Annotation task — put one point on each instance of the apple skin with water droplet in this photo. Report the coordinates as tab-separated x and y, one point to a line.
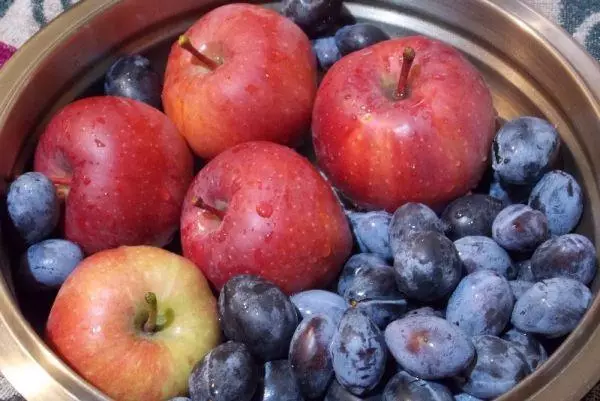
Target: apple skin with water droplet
260	208
263	88
122	168
381	150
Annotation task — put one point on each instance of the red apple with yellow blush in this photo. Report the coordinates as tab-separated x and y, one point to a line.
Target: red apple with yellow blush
405	120
241	73
133	321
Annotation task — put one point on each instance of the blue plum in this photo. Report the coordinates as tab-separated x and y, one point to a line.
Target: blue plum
355	264
520	228
427	266
383	311
372	282
314	302
132	76
524	272
570	255
530	347
278	383
498	191
356	37
309	355
508	193
471	215
466	397
413	217
230	360
327	52
560	198
519	287
371	231
425	311
47	264
180	399
478	252
33	206
257	313
359	353
429	347
499	367
481	304
524	149
552	307
373	290
337	392
404	387
313	16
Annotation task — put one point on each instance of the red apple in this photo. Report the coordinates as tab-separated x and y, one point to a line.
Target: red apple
258	83
123	168
133	321
383	148
260	208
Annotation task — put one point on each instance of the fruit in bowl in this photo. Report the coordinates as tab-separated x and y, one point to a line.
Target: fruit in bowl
260	208
134	321
405	120
241	73
122	169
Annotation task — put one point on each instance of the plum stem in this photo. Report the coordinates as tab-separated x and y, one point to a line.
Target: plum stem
408	57
185	43
150	324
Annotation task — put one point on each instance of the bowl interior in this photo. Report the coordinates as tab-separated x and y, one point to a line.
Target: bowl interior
526	74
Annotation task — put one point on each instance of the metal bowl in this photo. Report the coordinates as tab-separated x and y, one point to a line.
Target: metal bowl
532	66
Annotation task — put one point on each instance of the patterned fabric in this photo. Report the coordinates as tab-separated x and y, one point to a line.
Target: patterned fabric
20	19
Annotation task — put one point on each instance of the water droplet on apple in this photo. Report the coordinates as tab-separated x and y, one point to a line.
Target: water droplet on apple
99	143
221	236
348	97
269	236
251	89
264	209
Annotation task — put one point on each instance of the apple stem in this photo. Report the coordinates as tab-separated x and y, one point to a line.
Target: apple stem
150	324
62	185
211	209
408	56
186	44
